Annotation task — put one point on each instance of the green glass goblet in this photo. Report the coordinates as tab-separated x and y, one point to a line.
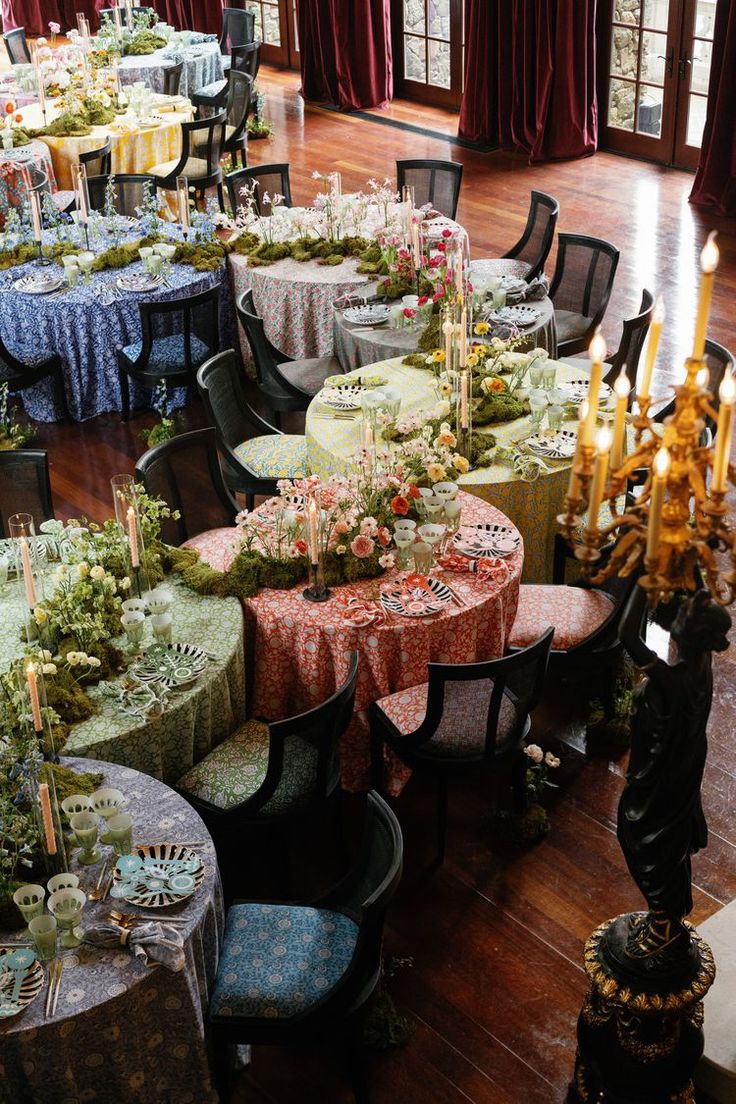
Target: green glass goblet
29	900
66	907
106	803
120	831
43	931
423	558
86	827
403	539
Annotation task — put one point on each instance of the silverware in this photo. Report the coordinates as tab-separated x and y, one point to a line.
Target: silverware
54	970
134	919
96	893
58	986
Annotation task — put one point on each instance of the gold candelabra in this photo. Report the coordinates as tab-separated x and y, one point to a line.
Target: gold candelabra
678	522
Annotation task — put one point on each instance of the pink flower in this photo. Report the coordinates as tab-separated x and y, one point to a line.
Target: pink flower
384	537
301	547
404	254
342	527
441	247
437	296
387	561
423	299
362	546
55	28
408	312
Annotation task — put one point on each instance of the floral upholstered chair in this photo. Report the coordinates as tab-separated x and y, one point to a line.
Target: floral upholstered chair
296	974
464	714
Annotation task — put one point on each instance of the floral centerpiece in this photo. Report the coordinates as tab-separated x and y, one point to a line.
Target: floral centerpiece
13	133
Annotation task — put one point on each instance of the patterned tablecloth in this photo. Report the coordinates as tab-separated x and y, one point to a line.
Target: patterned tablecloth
13	171
134	151
86	326
533	507
300	651
121	1031
202	66
196	718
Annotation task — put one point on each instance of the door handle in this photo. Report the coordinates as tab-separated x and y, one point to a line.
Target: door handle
670	59
684	62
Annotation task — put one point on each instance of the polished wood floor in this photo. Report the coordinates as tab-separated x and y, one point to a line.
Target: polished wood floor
497	933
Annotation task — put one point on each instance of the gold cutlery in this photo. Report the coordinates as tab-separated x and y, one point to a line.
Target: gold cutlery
96	893
52	996
58	986
133	919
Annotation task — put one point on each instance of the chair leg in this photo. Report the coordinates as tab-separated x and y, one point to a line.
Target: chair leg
276	418
357	1063
377	762
124	396
244	158
221	197
442	801
250	502
222	1069
518	782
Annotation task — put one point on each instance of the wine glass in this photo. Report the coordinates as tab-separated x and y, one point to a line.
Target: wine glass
403	539
538	404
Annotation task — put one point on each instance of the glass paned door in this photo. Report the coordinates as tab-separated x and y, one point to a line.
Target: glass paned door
694	75
428	47
276	28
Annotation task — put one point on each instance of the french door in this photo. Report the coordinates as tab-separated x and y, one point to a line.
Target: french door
277	29
656	73
428	47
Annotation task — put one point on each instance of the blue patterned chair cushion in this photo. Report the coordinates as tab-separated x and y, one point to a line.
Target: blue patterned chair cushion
217	87
279	960
167	354
281	456
237	767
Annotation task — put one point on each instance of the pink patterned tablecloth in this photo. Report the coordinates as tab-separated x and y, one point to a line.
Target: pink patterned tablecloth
14	164
300	651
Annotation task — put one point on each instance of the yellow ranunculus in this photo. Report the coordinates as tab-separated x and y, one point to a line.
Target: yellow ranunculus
438	356
460	463
482	328
436	473
472	360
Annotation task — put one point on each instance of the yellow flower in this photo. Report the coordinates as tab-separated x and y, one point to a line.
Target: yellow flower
472	360
460	464
447	438
340	550
438	356
40	615
445	388
82	570
436	473
482	328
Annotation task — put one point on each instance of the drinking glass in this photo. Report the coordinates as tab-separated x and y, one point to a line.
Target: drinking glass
403	539
158	600
155	264
76	803
134	624
66	907
62	881
106	803
72	275
535	374
446	491
85	261
538	404
86	827
554	417
549	375
145	255
431	534
120	830
423	558
433	505
42	930
133	605
453	510
161	625
29	899
405	525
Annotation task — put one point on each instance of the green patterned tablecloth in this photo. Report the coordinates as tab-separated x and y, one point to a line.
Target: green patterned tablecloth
196	718
533	507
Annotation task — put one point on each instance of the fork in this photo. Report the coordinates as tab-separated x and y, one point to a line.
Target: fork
52	994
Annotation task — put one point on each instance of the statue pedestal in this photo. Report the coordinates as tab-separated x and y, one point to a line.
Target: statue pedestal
716	1074
640	1031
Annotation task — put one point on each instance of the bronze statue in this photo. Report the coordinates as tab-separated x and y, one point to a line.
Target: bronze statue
660	816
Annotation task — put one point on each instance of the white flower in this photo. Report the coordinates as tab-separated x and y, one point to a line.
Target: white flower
340	550
97	573
83	570
93	661
534	752
387	560
72	658
369	526
49	668
46	656
551	760
124	583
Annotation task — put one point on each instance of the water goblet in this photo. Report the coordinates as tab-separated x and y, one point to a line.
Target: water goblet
86	827
423	557
71	272
405	525
403	539
145	255
66	880
155	264
66	907
85	261
446	491
158	600
433	504
431	534
106	803
42	930
538	404
554	417
76	803
453	511
134	624
549	375
161	625
133	605
535	374
120	830
29	900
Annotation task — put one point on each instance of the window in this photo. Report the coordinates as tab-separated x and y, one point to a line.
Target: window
428	50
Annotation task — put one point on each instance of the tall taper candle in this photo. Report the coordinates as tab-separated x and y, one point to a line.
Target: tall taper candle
47	816
660	469
655	332
313	521
597	354
32	680
622	388
133	538
603	445
28	580
724	431
708	263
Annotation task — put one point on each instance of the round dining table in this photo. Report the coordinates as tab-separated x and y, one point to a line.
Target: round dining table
202	66
86	325
197	717
14	165
122	1031
299	651
332	444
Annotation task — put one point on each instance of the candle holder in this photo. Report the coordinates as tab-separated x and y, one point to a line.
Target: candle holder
128	518
464	412
182	204
51	829
21	529
33	709
316	591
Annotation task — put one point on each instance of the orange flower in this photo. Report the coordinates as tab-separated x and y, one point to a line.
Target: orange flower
399	505
10	107
497	384
19	118
412	491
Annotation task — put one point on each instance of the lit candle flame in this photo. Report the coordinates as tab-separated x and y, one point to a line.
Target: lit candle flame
727	390
710	256
661	463
622	386
598	348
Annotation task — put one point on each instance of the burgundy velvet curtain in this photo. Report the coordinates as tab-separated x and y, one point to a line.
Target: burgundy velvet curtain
174	12
530	82
34	15
345	49
715	182
200	15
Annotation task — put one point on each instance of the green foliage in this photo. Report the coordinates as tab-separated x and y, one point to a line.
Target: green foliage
259	128
21	137
68	782
67	698
144	42
524	828
203	257
13	434
19	255
430	337
384	1028
494	408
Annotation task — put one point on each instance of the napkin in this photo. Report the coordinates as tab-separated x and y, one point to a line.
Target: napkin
536	289
357	612
492	570
154	941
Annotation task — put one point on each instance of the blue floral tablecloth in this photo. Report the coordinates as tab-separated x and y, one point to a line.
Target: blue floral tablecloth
123	1032
202	66
86	326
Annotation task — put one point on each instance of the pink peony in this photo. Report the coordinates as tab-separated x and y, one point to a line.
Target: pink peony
446	233
55	28
362	547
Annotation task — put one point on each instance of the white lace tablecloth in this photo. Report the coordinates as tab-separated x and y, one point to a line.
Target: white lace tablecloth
123	1032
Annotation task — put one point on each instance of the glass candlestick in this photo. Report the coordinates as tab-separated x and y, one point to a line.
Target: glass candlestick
33	709
128	518
316	591
21	529
464	413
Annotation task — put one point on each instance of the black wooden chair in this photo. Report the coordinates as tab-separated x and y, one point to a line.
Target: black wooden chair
19	375
16	44
532	248
285	385
259	181
238	29
237	109
185	472
245	59
194	335
329	954
130	191
255	454
25	486
172	78
465	714
435	182
633	335
202	142
97	162
581	287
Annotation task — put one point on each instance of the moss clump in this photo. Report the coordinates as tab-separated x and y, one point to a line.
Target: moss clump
524	828
244	244
97	114
21	137
416	360
66	696
70	124
496	408
177	560
430	339
144	42
202	256
21	254
68	781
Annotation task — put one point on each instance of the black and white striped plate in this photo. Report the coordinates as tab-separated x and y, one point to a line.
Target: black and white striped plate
174	665
139	282
487	541
559	445
145	891
415	601
31	982
38	285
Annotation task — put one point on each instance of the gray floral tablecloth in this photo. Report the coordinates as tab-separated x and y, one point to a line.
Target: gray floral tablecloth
122	1032
202	66
197	718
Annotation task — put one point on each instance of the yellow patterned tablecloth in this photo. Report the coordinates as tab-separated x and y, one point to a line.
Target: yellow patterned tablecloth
533	507
134	151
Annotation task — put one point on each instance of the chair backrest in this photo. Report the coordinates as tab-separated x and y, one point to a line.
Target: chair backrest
237	106
221	384
25	486
583	276
266	356
195	317
131	190
514	682
535	243
238	28
17	46
435	182
36	179
172	78
247	59
633	336
185	473
264	180
97	162
204	138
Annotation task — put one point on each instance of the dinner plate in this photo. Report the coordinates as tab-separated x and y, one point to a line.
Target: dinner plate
516	316
140	282
577	389
342	398
171	665
513	285
21	980
486	541
371	315
416	601
38	285
168	874
559	445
